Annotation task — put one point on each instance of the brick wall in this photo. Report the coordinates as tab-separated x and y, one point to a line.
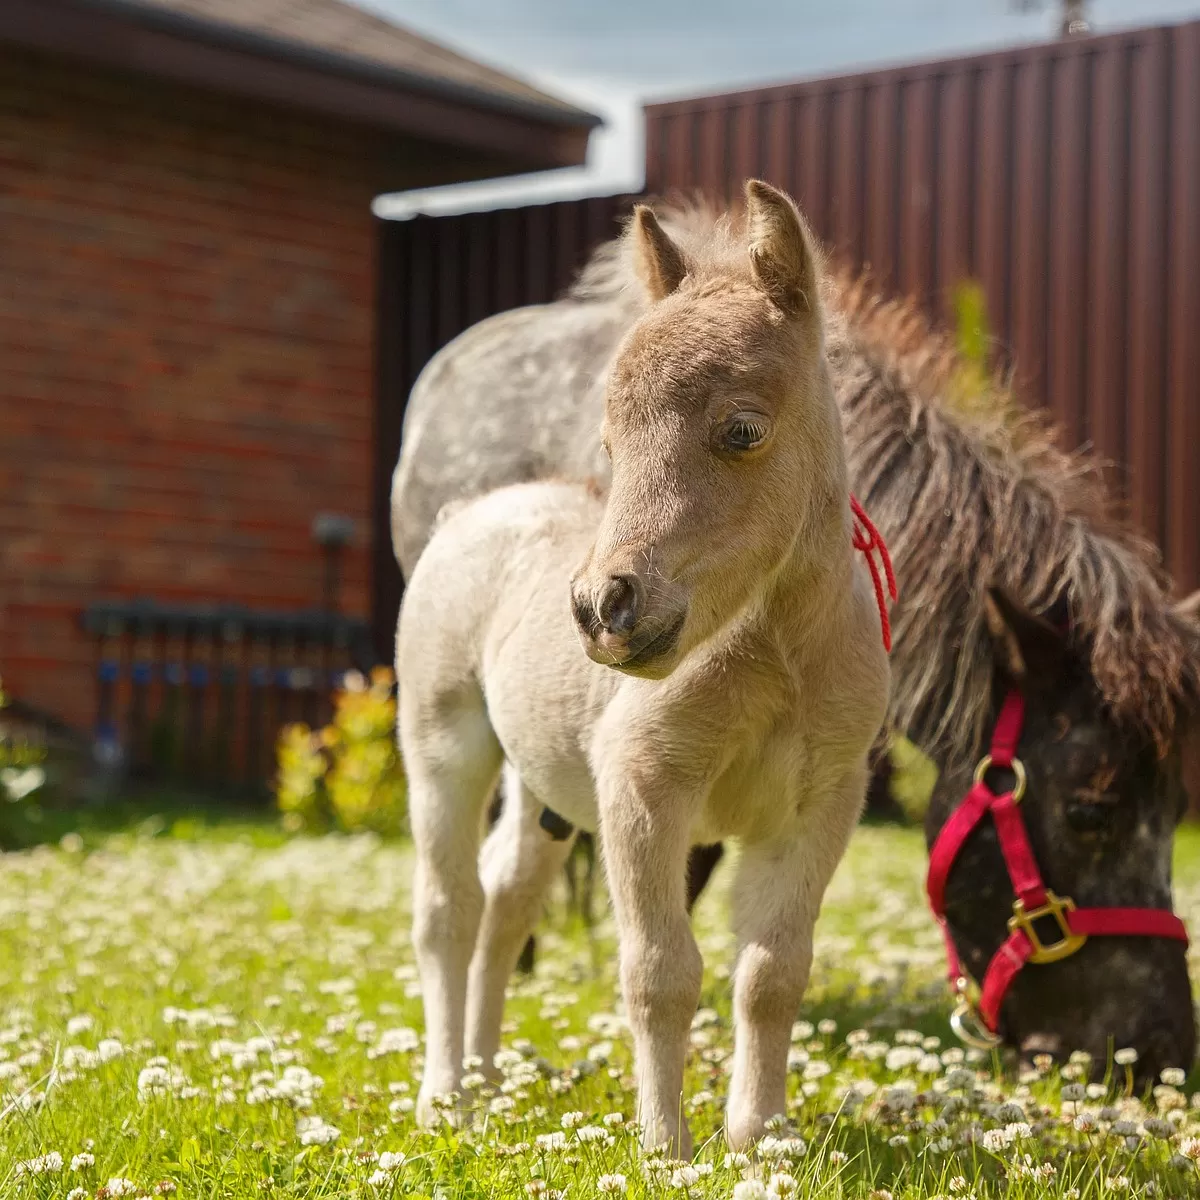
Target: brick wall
186	356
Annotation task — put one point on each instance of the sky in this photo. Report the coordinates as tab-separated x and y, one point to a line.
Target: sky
610	56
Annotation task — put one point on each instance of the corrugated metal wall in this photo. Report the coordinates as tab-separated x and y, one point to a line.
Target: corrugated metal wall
1064	177
437	276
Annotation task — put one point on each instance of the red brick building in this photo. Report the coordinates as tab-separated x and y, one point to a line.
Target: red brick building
188	294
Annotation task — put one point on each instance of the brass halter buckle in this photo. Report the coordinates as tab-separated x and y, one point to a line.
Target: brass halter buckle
966	1022
1017	767
1056	907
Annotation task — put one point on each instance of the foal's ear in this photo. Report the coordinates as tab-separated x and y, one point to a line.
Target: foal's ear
1028	648
781	250
659	263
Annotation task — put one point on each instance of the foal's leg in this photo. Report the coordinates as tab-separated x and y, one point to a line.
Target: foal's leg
519	862
777	895
452	760
645	840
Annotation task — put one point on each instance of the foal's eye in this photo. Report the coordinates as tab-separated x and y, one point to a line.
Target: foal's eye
742	432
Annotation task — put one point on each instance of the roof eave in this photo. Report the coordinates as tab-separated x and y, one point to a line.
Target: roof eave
163	44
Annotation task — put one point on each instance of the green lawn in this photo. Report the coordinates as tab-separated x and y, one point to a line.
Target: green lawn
218	1011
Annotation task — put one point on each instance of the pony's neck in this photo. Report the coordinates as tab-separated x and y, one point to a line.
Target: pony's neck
812	584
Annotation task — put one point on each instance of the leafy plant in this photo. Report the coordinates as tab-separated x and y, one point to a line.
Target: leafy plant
347	775
21	769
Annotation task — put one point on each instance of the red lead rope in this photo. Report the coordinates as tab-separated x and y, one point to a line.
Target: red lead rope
867	539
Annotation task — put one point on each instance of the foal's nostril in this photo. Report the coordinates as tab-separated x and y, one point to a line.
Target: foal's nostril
584	613
618	606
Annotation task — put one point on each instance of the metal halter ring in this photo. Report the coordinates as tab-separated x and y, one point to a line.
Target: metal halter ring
965	1020
1017	767
969	1028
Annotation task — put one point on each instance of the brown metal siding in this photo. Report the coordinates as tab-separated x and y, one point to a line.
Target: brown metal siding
1065	177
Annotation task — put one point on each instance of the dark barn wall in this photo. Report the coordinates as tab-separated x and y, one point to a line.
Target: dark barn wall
439	275
1064	177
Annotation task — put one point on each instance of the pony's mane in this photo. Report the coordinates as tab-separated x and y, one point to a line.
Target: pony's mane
966	498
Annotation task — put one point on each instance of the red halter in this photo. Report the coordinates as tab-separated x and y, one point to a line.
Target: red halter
869	540
1034	901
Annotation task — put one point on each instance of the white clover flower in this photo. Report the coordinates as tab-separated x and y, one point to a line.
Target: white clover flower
613	1119
109	1048
1117	1183
571	1119
1174	1076
995	1140
557	1140
118	1186
838	1157
781	1184
600	1052
314	1131
379	1178
827	1026
79	1194
1125	1057
736	1161
395	1041
1190	1148
899	1058
1157	1127
685	1177
83	1161
749	1189
610	1184
818	1068
591	1133
47	1164
391	1160
80	1024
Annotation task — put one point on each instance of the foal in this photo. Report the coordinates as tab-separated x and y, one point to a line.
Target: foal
733	682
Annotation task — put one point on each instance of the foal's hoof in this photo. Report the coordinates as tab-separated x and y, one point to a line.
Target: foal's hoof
437	1108
743	1129
675	1146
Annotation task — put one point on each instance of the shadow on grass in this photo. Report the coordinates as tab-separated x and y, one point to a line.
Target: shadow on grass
147	810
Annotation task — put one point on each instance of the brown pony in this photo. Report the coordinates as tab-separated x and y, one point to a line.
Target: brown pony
1014	573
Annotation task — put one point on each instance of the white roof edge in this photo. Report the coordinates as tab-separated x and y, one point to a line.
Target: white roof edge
485	195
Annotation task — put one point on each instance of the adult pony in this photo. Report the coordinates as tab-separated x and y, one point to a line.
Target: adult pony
1015	579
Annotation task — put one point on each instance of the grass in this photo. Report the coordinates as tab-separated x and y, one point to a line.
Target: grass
209	1009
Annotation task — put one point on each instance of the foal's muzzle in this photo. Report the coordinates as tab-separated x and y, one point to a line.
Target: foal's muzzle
619	627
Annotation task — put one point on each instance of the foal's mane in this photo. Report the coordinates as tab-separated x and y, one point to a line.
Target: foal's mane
966	499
